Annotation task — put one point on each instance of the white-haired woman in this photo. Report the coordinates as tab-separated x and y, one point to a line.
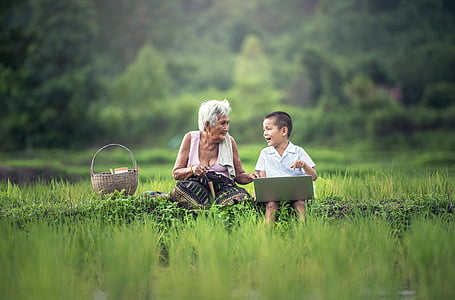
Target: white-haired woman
208	164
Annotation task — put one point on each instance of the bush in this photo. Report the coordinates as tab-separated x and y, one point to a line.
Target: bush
365	96
439	95
118	209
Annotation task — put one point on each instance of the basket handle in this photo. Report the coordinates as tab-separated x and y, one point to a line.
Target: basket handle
110	145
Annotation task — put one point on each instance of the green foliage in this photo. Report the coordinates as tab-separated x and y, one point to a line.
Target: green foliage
252	70
261	55
387	128
143	83
364	96
328	259
396	194
136	101
113	208
375	222
164	214
253	91
423	41
439	95
56	81
424	262
324	76
416	127
142	247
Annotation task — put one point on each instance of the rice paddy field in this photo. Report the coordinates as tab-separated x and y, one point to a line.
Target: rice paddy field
381	227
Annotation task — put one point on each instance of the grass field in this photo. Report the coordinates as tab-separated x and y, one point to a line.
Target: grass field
382	227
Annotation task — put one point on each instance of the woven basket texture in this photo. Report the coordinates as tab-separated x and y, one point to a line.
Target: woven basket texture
106	183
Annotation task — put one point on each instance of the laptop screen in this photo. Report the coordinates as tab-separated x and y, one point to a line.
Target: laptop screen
286	188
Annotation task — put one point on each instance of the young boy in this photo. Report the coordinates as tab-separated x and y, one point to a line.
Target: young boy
282	158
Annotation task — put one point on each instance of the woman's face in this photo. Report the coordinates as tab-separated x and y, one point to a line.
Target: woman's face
273	135
221	128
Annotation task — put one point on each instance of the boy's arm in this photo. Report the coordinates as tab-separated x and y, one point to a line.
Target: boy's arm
260	173
307	168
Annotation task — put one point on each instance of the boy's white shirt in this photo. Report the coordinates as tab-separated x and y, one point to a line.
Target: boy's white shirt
276	165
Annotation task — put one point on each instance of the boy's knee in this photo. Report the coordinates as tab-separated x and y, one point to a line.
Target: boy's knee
271	206
299	205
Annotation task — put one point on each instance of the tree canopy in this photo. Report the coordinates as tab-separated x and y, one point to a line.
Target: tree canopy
67	68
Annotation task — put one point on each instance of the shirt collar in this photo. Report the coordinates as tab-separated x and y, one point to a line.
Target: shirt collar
289	149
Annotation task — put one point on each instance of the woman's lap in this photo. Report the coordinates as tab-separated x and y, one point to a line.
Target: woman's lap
194	194
231	195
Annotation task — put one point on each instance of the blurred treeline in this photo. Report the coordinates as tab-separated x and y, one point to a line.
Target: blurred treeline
82	72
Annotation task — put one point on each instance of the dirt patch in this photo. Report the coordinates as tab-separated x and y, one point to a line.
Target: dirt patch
31	175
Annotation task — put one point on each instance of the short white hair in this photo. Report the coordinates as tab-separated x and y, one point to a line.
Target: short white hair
211	110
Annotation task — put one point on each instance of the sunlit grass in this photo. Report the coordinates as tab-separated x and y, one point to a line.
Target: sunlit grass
351	259
430	258
385	184
219	256
372	185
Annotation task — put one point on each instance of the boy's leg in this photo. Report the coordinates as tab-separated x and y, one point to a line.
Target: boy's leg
300	207
270	210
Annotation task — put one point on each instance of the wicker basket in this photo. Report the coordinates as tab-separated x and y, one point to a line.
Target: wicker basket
106	183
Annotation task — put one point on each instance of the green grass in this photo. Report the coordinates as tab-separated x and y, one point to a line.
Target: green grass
354	259
158	163
375	231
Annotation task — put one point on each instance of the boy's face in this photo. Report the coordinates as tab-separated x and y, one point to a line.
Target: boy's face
273	135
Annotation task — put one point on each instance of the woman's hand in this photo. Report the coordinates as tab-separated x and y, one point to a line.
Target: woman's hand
251	176
245	178
199	169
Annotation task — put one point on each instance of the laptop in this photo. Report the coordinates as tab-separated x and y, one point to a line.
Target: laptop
286	188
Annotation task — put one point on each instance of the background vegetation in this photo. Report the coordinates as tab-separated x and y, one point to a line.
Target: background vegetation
370	85
385	233
81	72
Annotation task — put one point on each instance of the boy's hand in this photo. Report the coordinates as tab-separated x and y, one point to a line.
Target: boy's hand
298	164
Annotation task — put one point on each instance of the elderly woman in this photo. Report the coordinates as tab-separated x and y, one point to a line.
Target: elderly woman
208	164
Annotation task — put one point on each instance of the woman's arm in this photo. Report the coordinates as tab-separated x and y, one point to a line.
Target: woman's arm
180	170
240	175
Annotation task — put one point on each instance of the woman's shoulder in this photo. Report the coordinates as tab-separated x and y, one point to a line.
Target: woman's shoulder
192	134
188	137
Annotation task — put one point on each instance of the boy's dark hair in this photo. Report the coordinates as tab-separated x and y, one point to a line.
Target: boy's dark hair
282	119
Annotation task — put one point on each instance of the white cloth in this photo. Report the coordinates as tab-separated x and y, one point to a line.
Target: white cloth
226	155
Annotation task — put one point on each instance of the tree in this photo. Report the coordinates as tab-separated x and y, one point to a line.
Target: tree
14	41
252	70
145	81
409	43
137	99
364	96
58	74
253	93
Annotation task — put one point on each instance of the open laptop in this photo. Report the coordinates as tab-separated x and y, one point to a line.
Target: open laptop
286	188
